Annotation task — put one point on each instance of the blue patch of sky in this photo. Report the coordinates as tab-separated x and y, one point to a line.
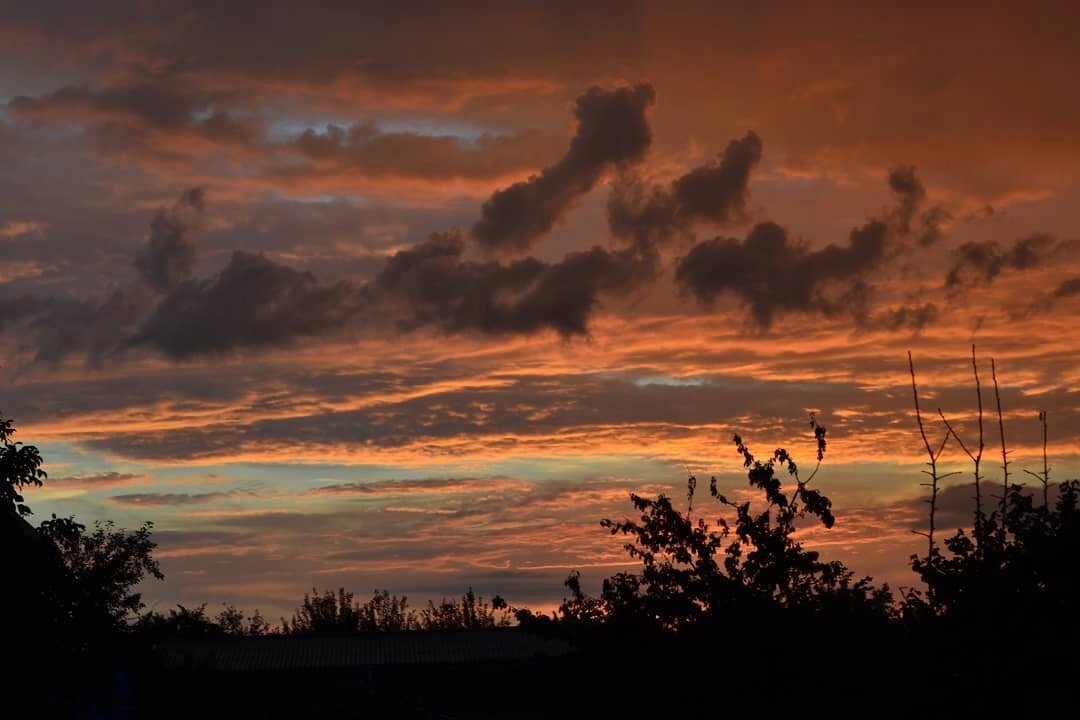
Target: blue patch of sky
672	380
287	128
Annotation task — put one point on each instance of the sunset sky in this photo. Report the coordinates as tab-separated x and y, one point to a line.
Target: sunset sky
411	295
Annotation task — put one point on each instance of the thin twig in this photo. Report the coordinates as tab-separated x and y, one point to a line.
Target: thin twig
1046	468
980	520
933	461
1004	452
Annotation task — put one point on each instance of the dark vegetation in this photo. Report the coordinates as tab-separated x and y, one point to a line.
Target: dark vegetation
727	614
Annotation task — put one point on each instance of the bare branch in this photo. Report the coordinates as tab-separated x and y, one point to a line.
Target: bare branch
1046	468
918	412
953	433
979	519
933	461
1004	452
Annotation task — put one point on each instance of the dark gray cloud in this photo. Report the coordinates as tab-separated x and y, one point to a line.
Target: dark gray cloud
910	217
151	104
431	284
255	302
418	486
122	116
911	193
770	272
1067	288
905	317
169	256
52	329
365	148
612	129
716	193
981	262
252	303
169	499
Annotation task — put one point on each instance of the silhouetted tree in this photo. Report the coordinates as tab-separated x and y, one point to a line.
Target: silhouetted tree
341	613
233	621
325	613
32	566
194	623
20	466
694	572
387	612
178	622
471	612
73	587
102	569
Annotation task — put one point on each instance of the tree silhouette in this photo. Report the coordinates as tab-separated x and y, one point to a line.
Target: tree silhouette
194	623
20	467
387	612
325	613
694	572
470	613
102	569
330	612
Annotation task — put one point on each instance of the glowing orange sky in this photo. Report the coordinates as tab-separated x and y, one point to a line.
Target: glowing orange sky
365	435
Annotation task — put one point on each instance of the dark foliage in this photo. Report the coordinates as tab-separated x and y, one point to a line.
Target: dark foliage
470	613
95	594
20	467
339	613
194	623
696	572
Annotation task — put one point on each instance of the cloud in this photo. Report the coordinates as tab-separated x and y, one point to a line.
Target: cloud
980	262
911	196
169	499
612	130
770	272
182	131
93	482
252	303
256	302
1067	288
53	329
169	255
129	115
60	327
364	148
905	317
145	103
431	285
716	192
426	486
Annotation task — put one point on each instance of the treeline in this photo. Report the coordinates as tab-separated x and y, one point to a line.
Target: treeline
329	612
75	588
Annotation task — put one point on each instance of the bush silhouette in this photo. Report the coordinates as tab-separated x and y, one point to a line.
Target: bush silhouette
694	572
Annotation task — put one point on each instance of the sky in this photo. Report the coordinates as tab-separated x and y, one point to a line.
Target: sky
411	295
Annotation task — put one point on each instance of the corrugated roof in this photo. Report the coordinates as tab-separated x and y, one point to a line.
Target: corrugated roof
297	652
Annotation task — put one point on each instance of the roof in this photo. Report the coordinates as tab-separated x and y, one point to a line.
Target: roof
418	647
